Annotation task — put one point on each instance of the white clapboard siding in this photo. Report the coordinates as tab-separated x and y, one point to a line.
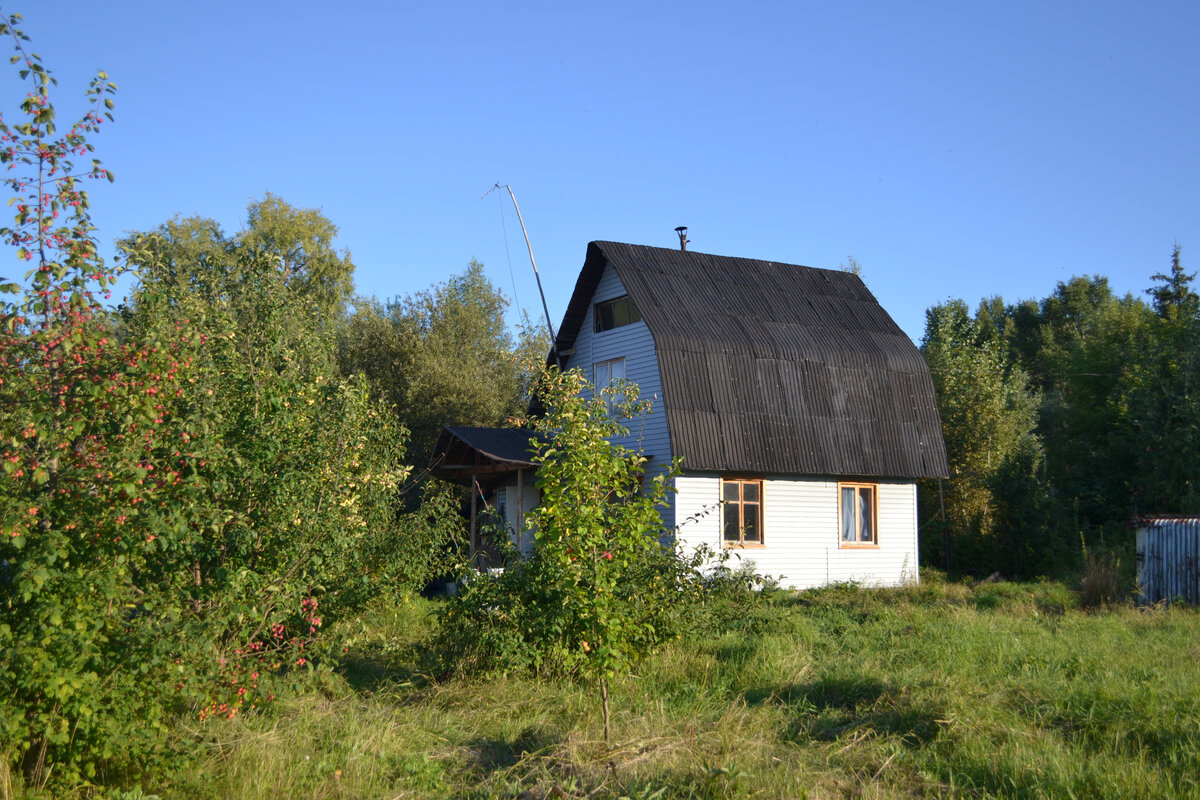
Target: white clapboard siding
647	434
800	531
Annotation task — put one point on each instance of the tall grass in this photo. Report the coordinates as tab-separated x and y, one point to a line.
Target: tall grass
936	690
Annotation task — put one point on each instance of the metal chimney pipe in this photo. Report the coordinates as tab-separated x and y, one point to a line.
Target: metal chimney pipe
683	240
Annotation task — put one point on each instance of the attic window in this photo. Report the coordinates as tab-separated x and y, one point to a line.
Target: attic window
616	314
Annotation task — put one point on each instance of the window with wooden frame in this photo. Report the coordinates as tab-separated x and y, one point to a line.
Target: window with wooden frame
615	314
858	514
741	511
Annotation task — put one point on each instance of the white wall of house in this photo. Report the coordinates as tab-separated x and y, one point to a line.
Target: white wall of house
801	538
634	343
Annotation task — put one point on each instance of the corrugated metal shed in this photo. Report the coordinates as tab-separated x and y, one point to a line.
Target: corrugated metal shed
1168	559
774	368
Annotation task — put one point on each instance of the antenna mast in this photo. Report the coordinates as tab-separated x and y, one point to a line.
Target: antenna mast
545	308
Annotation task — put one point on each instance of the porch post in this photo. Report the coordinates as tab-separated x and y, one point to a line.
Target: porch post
474	502
520	505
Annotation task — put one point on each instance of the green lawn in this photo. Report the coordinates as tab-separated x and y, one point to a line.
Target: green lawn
941	690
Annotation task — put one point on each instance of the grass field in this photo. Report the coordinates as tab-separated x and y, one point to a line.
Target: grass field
938	690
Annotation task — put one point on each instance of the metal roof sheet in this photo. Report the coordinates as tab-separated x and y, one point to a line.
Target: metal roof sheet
509	445
774	368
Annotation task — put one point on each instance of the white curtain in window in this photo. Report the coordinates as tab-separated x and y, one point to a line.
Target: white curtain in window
847	514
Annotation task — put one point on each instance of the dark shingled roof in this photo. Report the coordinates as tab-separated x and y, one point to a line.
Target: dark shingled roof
774	368
514	445
462	451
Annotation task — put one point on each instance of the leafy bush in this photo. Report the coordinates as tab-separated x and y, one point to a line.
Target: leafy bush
518	619
600	589
190	492
86	437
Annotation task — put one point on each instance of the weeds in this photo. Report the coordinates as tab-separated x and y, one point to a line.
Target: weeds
1102	579
942	689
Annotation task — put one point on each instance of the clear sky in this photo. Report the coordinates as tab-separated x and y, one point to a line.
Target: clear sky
956	149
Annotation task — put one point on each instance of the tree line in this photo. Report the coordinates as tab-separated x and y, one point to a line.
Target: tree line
1064	419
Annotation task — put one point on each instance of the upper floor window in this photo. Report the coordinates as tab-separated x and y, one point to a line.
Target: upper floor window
858	512
604	375
615	314
608	372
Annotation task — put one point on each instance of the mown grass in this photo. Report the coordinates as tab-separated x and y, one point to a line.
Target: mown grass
937	690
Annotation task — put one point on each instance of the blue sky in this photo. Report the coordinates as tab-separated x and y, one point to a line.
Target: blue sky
955	149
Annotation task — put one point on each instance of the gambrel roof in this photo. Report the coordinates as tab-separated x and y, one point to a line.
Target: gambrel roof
774	368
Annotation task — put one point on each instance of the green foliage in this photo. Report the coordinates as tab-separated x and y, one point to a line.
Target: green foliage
1117	415
597	518
1160	392
86	433
516	620
601	590
297	502
1085	419
278	286
444	356
587	601
191	493
300	242
988	418
435	539
1173	295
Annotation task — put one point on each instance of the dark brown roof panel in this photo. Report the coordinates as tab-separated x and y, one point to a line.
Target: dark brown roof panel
775	368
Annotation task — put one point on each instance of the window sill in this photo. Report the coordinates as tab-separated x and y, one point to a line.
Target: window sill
857	546
617	328
743	545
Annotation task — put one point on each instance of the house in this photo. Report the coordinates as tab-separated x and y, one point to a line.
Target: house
802	414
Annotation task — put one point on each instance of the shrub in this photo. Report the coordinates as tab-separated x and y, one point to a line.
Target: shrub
87	437
189	494
513	620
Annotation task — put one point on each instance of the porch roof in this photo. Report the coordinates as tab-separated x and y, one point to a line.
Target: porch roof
463	451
